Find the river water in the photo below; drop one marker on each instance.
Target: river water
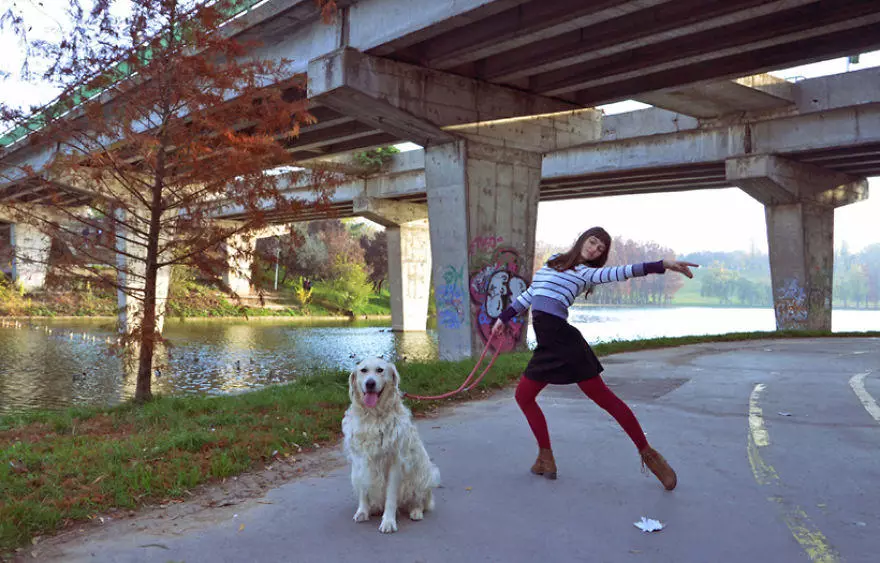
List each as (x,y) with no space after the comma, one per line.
(56,363)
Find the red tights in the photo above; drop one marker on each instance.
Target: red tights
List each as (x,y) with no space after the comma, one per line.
(594,388)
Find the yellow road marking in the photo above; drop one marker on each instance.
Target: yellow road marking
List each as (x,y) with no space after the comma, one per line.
(857,382)
(805,533)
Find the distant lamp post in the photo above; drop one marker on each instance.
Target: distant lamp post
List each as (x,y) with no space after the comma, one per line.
(277,259)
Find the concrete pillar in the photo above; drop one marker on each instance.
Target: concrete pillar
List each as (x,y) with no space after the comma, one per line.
(131,268)
(799,202)
(239,258)
(801,242)
(482,171)
(409,275)
(483,206)
(30,256)
(409,258)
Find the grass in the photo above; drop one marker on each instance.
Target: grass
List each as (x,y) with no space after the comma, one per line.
(58,468)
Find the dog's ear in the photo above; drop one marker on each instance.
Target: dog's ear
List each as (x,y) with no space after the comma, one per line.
(352,384)
(394,375)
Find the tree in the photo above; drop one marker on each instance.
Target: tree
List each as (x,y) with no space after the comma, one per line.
(376,257)
(340,243)
(181,125)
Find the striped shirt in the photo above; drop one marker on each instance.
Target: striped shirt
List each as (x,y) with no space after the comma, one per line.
(554,292)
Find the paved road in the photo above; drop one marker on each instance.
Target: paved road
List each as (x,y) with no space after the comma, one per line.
(754,485)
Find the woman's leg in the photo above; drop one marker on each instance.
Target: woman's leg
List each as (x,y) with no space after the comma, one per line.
(526,393)
(596,390)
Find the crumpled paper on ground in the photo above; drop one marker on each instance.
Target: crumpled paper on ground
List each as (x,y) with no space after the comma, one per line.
(648,525)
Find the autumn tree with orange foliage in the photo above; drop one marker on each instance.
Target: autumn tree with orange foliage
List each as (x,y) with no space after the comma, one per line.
(164,119)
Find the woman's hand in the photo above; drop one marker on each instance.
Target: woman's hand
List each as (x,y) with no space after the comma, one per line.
(498,328)
(680,267)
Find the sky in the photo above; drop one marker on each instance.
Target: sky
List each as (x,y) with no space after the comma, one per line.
(720,219)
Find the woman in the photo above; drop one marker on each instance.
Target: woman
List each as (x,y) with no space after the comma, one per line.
(563,356)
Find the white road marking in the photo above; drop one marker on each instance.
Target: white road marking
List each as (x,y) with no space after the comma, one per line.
(857,382)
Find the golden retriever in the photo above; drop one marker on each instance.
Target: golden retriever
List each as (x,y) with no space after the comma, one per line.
(390,467)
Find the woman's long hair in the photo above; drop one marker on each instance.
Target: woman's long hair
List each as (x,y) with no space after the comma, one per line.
(573,257)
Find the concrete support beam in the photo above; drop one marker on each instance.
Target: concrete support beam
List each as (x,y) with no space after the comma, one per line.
(388,212)
(413,102)
(131,271)
(746,95)
(30,259)
(538,133)
(799,204)
(239,256)
(483,205)
(845,127)
(773,180)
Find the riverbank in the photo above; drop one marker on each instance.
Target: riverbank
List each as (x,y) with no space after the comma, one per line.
(61,468)
(192,300)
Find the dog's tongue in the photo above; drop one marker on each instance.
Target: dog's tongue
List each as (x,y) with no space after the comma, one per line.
(370,399)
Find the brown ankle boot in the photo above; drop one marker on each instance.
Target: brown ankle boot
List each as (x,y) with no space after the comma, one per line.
(545,464)
(659,467)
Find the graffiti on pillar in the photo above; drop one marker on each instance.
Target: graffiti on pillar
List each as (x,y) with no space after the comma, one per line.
(494,283)
(451,298)
(485,244)
(791,304)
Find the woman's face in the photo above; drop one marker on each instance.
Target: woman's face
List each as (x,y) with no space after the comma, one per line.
(592,249)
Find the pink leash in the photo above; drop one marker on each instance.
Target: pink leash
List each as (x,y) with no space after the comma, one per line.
(467,385)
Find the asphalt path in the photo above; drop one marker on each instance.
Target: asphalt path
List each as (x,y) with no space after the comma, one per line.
(776,444)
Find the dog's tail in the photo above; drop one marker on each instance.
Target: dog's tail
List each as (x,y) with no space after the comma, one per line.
(435,476)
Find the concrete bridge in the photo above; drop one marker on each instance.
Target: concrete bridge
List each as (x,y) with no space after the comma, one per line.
(500,94)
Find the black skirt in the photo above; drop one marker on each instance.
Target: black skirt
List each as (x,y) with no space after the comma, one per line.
(562,355)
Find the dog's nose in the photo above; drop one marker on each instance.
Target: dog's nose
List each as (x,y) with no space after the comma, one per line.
(370,385)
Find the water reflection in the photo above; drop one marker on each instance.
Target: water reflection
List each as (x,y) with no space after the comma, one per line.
(50,364)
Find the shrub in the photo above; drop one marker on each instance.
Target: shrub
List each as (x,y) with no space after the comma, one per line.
(352,284)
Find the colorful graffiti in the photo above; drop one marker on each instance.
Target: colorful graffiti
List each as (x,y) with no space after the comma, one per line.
(494,284)
(485,244)
(451,298)
(791,304)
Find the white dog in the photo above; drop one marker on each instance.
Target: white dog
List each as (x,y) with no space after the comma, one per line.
(390,468)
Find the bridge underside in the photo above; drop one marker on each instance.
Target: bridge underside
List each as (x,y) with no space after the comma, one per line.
(499,93)
(591,53)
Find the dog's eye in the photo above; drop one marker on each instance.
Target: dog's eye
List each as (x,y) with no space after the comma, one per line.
(379,370)
(363,370)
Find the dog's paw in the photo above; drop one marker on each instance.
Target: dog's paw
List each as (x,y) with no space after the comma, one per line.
(388,526)
(416,514)
(361,516)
